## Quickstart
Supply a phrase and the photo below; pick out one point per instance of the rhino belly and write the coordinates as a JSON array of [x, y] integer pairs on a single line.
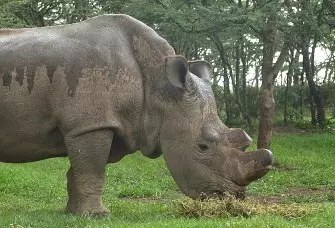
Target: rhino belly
[[27, 129], [19, 148]]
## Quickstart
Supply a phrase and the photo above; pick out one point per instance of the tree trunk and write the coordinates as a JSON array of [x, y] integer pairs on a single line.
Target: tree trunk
[[244, 108], [314, 120], [237, 89], [308, 63], [302, 94], [227, 95], [314, 91], [266, 118], [257, 75], [244, 80], [269, 73], [288, 83], [235, 81]]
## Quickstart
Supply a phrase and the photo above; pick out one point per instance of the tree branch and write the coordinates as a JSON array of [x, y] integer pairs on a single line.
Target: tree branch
[[282, 57]]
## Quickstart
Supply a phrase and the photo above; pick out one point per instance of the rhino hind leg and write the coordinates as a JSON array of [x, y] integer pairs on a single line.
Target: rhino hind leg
[[88, 154]]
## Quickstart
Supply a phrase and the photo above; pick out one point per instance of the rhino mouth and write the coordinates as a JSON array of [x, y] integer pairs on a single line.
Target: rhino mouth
[[214, 194], [230, 188], [219, 194]]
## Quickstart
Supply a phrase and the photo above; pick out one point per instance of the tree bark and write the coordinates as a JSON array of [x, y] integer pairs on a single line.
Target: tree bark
[[314, 91], [269, 73], [227, 95], [266, 118], [257, 75], [267, 103], [314, 120], [302, 94], [288, 83], [243, 97], [244, 81]]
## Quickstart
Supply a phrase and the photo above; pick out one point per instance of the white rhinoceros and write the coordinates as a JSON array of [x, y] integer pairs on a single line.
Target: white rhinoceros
[[109, 86]]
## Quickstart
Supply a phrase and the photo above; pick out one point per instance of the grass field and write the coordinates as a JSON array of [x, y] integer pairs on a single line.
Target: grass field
[[141, 193]]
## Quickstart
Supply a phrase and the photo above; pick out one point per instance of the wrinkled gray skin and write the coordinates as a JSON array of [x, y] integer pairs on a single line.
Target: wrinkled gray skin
[[103, 88]]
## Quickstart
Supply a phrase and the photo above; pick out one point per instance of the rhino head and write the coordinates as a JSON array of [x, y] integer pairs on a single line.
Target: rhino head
[[203, 155]]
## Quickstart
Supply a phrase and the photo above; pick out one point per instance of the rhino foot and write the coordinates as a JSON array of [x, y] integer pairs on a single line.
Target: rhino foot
[[87, 210]]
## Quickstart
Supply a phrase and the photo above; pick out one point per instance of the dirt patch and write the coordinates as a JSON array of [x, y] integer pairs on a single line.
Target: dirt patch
[[266, 199], [293, 193], [310, 191], [290, 129], [147, 199], [283, 167], [229, 206], [279, 198]]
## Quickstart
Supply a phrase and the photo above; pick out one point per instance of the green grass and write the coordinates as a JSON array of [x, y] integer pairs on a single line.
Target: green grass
[[140, 192]]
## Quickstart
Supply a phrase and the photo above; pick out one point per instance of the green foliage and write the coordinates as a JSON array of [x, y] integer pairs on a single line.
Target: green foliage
[[304, 124], [329, 97], [8, 19], [253, 101]]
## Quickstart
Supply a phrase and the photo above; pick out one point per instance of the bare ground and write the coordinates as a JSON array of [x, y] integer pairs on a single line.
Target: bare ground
[[291, 129], [294, 192], [279, 198]]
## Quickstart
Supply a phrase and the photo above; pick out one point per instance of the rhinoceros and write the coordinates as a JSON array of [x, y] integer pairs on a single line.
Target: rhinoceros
[[109, 86]]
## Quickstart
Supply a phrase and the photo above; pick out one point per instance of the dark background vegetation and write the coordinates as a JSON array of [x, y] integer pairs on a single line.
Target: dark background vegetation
[[259, 49]]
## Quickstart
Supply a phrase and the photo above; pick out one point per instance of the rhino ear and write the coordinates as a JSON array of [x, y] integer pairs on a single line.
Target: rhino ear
[[176, 70], [202, 69]]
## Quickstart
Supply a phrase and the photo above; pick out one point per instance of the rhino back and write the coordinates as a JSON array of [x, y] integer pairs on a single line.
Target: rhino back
[[62, 79]]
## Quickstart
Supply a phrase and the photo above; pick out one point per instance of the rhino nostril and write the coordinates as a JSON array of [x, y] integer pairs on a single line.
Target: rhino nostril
[[268, 158]]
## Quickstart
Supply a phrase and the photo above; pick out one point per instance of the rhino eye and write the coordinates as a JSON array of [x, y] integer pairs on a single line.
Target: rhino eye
[[203, 147]]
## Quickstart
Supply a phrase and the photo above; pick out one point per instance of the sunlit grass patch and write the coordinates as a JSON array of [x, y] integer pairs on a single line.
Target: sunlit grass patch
[[212, 207], [286, 210], [229, 206]]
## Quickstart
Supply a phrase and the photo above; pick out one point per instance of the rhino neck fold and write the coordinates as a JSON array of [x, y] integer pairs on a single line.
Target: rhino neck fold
[[150, 52]]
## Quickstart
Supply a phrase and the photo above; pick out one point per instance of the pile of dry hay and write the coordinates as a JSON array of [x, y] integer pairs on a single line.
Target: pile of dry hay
[[229, 206]]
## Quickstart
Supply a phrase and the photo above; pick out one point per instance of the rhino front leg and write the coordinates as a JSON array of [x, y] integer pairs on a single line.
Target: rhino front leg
[[88, 154]]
